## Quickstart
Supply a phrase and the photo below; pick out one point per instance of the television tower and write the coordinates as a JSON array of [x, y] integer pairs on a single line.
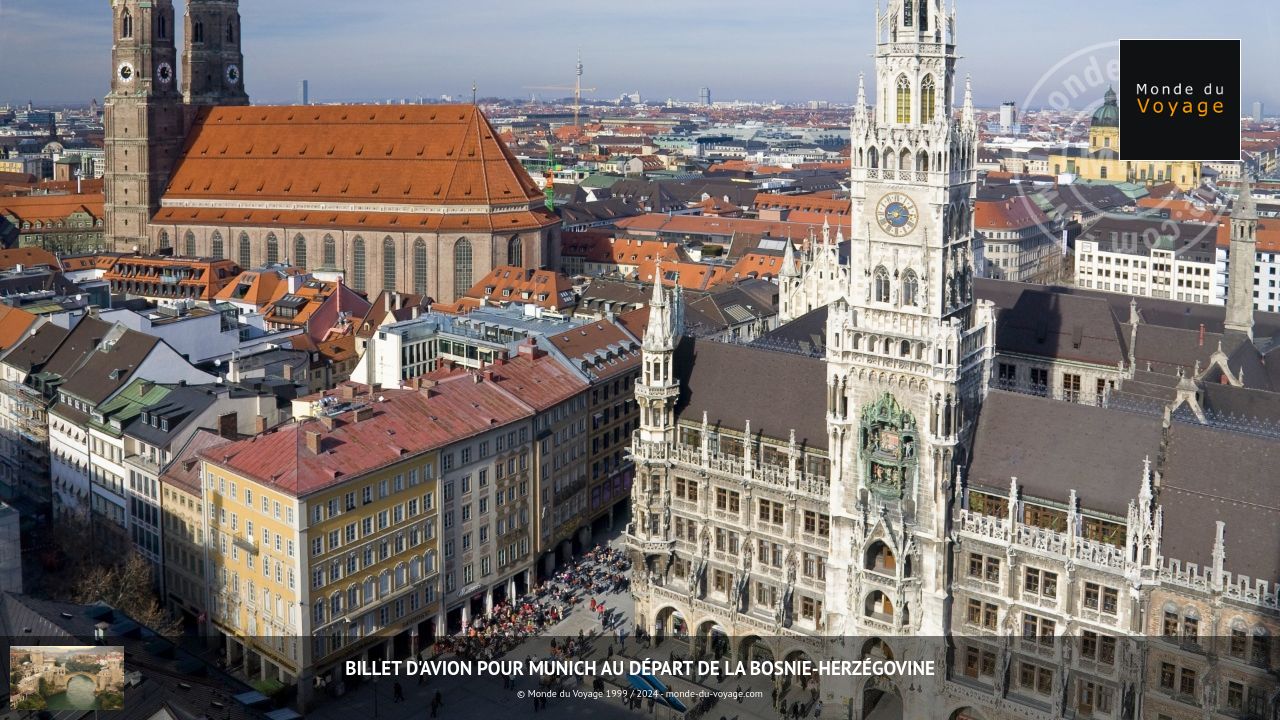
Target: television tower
[[577, 91]]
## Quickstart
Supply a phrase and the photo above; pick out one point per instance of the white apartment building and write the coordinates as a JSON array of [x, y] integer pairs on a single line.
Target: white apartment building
[[1149, 257]]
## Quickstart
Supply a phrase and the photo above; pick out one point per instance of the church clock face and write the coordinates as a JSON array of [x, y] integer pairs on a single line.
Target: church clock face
[[164, 73], [233, 74], [125, 72], [896, 214]]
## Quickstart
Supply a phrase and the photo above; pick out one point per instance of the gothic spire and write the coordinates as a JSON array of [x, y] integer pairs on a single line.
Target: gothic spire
[[659, 334], [968, 99], [789, 261]]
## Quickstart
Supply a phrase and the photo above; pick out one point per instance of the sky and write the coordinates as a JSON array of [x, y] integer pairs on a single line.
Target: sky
[[58, 51]]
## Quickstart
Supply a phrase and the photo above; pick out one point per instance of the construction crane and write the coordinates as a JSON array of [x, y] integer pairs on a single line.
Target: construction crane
[[549, 192], [577, 91]]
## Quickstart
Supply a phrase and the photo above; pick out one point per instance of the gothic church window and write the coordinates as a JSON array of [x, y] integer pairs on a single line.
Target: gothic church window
[[928, 95], [357, 263], [162, 26], [461, 266], [420, 267], [126, 25], [515, 252], [197, 31], [904, 99], [907, 12], [300, 251], [388, 263], [231, 31], [164, 239], [244, 256], [881, 284], [273, 249], [189, 244], [910, 288], [330, 259]]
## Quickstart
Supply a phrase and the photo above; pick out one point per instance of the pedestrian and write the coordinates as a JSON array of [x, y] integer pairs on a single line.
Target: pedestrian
[[397, 692], [610, 656], [817, 708]]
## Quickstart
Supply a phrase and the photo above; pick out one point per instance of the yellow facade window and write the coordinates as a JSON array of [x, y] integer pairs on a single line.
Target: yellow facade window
[[904, 99], [928, 96]]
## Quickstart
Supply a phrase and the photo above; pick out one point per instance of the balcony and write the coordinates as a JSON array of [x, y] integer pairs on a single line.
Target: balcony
[[248, 544]]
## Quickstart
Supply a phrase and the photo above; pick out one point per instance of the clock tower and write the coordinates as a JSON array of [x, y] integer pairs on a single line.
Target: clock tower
[[212, 62], [143, 117], [907, 348]]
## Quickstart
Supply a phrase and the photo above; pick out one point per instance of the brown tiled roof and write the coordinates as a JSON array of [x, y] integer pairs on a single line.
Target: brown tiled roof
[[392, 222], [1015, 213], [603, 348], [184, 472], [600, 246], [45, 208], [264, 286], [508, 283], [14, 325], [411, 154], [27, 256], [404, 421]]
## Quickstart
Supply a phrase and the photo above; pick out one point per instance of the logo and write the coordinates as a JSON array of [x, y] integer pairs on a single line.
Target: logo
[[1179, 100]]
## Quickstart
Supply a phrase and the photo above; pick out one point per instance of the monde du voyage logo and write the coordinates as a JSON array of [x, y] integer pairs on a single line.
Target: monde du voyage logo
[[1179, 100]]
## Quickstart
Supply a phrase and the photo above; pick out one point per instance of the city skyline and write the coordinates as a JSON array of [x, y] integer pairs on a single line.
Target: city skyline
[[55, 52]]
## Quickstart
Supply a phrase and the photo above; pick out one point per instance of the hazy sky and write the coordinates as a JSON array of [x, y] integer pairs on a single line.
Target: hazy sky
[[58, 50]]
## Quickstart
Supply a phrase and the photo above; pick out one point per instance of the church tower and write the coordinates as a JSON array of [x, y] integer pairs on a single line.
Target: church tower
[[907, 348], [143, 117], [212, 63], [1243, 254]]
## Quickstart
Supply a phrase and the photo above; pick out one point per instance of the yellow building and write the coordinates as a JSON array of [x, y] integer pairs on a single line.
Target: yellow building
[[323, 536], [1102, 160]]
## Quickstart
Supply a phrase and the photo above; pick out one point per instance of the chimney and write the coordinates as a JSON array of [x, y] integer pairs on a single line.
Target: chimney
[[488, 375], [364, 413], [375, 388], [1201, 334], [147, 386], [259, 424], [386, 300], [315, 442], [228, 426], [347, 392]]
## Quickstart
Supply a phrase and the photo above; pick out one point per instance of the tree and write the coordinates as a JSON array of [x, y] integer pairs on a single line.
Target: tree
[[127, 588]]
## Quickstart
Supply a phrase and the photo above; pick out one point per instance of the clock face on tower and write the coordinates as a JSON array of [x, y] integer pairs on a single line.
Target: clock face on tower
[[896, 214], [233, 74], [126, 72], [164, 73]]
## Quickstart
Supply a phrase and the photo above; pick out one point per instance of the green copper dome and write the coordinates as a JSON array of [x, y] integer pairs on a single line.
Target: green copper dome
[[1109, 114]]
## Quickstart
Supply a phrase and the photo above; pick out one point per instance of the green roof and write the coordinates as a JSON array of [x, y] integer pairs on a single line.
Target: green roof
[[600, 180], [130, 401]]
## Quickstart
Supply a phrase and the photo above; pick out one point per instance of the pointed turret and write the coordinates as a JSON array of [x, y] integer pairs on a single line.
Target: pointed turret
[[789, 262], [860, 110], [968, 114], [659, 334], [1242, 253]]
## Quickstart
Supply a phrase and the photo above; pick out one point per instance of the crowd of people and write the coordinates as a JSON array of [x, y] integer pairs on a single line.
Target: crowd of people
[[509, 623]]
